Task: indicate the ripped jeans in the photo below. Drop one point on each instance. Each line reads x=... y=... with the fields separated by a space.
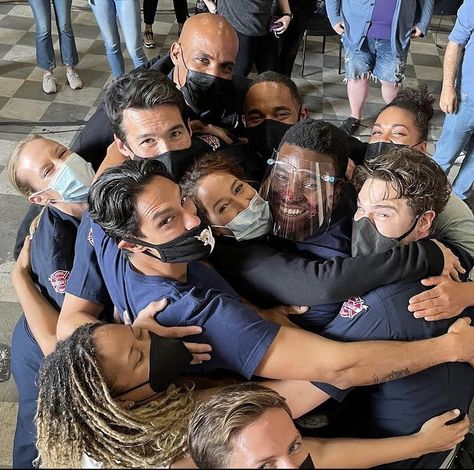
x=376 y=60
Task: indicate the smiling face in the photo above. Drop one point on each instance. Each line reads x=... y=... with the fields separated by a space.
x=223 y=196
x=397 y=125
x=38 y=164
x=300 y=190
x=124 y=354
x=272 y=441
x=152 y=132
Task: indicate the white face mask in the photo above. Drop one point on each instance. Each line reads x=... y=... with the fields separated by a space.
x=72 y=181
x=253 y=222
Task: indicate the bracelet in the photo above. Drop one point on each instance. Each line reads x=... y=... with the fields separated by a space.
x=288 y=14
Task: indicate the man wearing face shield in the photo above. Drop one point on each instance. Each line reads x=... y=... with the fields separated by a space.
x=401 y=193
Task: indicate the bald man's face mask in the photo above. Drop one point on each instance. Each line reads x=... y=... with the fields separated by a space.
x=213 y=99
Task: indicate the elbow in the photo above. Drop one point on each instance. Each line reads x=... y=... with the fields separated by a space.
x=340 y=375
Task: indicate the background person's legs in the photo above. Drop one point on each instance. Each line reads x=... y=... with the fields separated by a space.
x=389 y=91
x=106 y=17
x=246 y=55
x=128 y=12
x=266 y=56
x=181 y=12
x=149 y=12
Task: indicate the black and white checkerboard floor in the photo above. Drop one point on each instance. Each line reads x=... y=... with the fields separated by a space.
x=22 y=99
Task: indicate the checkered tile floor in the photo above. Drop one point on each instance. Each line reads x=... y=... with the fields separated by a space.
x=22 y=99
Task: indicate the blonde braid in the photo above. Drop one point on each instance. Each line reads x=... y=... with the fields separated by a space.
x=76 y=414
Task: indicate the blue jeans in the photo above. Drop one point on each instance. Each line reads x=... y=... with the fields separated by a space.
x=458 y=135
x=106 y=13
x=44 y=43
x=375 y=59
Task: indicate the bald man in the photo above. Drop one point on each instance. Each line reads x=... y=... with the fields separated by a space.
x=201 y=65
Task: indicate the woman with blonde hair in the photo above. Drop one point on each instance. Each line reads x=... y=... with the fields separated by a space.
x=50 y=175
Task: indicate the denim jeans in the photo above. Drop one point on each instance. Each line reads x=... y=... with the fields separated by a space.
x=458 y=135
x=44 y=43
x=106 y=13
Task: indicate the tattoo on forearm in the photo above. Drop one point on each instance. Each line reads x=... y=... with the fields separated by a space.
x=396 y=374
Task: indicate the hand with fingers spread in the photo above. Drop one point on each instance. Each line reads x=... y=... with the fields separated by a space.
x=199 y=127
x=146 y=319
x=437 y=436
x=452 y=265
x=447 y=299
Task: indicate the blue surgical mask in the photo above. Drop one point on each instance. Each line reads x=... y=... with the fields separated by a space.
x=253 y=222
x=72 y=181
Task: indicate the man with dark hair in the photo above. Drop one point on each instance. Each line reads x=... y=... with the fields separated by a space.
x=160 y=241
x=401 y=194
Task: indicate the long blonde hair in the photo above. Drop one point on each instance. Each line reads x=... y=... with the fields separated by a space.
x=77 y=415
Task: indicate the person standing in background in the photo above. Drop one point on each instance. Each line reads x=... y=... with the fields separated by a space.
x=376 y=37
x=257 y=31
x=106 y=13
x=457 y=101
x=44 y=42
x=149 y=12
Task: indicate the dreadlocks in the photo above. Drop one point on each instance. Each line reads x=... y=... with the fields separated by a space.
x=76 y=414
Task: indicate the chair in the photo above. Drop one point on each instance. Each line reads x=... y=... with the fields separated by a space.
x=444 y=8
x=319 y=25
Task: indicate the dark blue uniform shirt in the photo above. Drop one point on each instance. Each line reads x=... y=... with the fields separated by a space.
x=402 y=406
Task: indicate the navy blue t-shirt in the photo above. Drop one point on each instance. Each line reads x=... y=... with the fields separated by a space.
x=238 y=336
x=52 y=253
x=400 y=407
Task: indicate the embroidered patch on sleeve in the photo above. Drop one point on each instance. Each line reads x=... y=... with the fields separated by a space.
x=59 y=280
x=352 y=307
x=90 y=237
x=210 y=140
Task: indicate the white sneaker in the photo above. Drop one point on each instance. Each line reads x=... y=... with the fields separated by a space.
x=49 y=83
x=74 y=80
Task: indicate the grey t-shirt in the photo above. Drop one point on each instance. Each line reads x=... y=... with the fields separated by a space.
x=249 y=17
x=456 y=223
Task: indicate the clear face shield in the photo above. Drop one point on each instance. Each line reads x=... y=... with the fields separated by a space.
x=300 y=194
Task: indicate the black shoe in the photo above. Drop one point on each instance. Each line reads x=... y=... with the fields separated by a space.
x=350 y=125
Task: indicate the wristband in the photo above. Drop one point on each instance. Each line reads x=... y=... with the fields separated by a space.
x=288 y=14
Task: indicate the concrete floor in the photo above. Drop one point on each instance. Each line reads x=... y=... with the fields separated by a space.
x=21 y=98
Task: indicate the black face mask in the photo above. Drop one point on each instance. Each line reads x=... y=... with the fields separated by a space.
x=175 y=161
x=307 y=463
x=366 y=239
x=168 y=358
x=378 y=148
x=266 y=137
x=193 y=245
x=213 y=99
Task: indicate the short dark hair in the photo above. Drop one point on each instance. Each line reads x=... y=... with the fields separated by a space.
x=419 y=103
x=321 y=137
x=113 y=196
x=217 y=422
x=276 y=77
x=415 y=176
x=140 y=89
x=206 y=165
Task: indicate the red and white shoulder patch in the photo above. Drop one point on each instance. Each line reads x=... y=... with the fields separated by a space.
x=352 y=307
x=90 y=237
x=59 y=280
x=211 y=140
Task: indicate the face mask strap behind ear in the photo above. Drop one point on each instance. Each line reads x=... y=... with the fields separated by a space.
x=415 y=222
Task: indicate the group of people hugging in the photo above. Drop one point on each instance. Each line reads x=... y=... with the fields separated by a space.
x=211 y=278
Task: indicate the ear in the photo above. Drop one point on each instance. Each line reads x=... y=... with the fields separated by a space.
x=131 y=247
x=425 y=223
x=190 y=129
x=421 y=147
x=304 y=113
x=39 y=199
x=175 y=52
x=125 y=404
x=244 y=120
x=123 y=149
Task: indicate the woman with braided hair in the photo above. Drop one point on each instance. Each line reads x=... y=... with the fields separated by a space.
x=80 y=413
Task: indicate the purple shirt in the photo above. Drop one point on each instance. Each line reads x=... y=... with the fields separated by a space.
x=382 y=18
